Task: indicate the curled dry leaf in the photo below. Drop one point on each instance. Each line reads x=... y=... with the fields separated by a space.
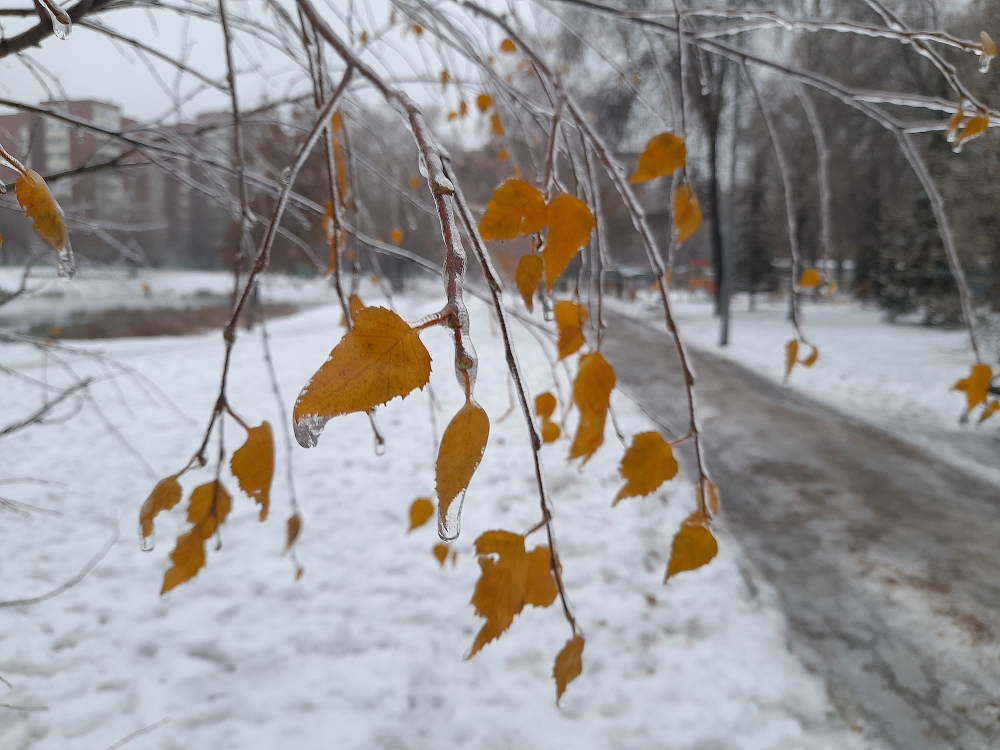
x=648 y=463
x=484 y=102
x=508 y=46
x=420 y=513
x=41 y=207
x=380 y=358
x=569 y=318
x=253 y=466
x=516 y=208
x=510 y=579
x=791 y=353
x=664 y=154
x=687 y=213
x=462 y=448
x=976 y=386
x=396 y=236
x=694 y=546
x=811 y=359
x=441 y=553
x=569 y=665
x=570 y=224
x=292 y=531
x=528 y=276
x=545 y=405
x=595 y=379
x=165 y=495
x=809 y=278
x=207 y=509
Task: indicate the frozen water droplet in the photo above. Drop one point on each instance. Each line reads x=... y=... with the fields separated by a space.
x=984 y=63
x=3 y=188
x=450 y=524
x=379 y=445
x=957 y=147
x=146 y=544
x=307 y=429
x=67 y=265
x=62 y=26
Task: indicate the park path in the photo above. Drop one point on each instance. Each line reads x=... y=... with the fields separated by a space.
x=886 y=557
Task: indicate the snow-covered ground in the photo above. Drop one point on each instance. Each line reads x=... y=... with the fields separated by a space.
x=366 y=650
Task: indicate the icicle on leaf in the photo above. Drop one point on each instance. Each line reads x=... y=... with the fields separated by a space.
x=516 y=208
x=569 y=665
x=207 y=509
x=441 y=553
x=687 y=214
x=976 y=386
x=165 y=495
x=809 y=278
x=570 y=224
x=510 y=579
x=595 y=379
x=811 y=359
x=292 y=530
x=41 y=207
x=664 y=154
x=988 y=53
x=528 y=276
x=462 y=448
x=496 y=125
x=508 y=46
x=569 y=317
x=693 y=547
x=648 y=463
x=484 y=102
x=62 y=24
x=380 y=358
x=396 y=236
x=253 y=466
x=791 y=353
x=420 y=513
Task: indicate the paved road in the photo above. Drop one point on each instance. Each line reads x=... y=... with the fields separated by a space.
x=887 y=559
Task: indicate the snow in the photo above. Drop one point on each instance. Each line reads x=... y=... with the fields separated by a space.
x=366 y=651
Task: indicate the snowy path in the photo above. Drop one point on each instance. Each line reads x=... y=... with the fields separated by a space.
x=366 y=651
x=886 y=557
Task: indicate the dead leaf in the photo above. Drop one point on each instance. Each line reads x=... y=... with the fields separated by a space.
x=569 y=317
x=528 y=276
x=508 y=46
x=41 y=207
x=811 y=359
x=341 y=171
x=516 y=208
x=694 y=546
x=954 y=124
x=484 y=101
x=380 y=358
x=991 y=408
x=510 y=579
x=188 y=558
x=550 y=432
x=687 y=214
x=207 y=509
x=570 y=224
x=444 y=78
x=462 y=448
x=420 y=513
x=413 y=183
x=989 y=46
x=165 y=495
x=336 y=122
x=496 y=126
x=502 y=155
x=595 y=379
x=648 y=463
x=545 y=405
x=809 y=278
x=396 y=236
x=253 y=466
x=441 y=553
x=974 y=128
x=664 y=154
x=292 y=531
x=791 y=352
x=976 y=386
x=569 y=665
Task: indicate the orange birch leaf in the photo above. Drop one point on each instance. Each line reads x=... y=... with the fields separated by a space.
x=809 y=278
x=570 y=224
x=694 y=546
x=989 y=46
x=484 y=102
x=207 y=509
x=445 y=77
x=338 y=166
x=413 y=183
x=991 y=408
x=974 y=128
x=545 y=405
x=420 y=513
x=496 y=126
x=516 y=208
x=165 y=495
x=595 y=379
x=528 y=276
x=380 y=358
x=41 y=207
x=550 y=432
x=188 y=558
x=292 y=530
x=441 y=553
x=648 y=463
x=687 y=214
x=336 y=122
x=396 y=236
x=462 y=448
x=811 y=359
x=508 y=46
x=954 y=124
x=976 y=386
x=502 y=155
x=568 y=318
x=569 y=665
x=791 y=353
x=364 y=38
x=540 y=587
x=664 y=154
x=253 y=466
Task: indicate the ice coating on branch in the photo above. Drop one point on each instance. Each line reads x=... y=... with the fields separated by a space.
x=62 y=26
x=422 y=165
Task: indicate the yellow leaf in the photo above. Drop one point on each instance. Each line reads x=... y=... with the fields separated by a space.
x=452 y=116
x=510 y=579
x=338 y=166
x=336 y=122
x=41 y=207
x=413 y=183
x=292 y=531
x=664 y=154
x=954 y=124
x=648 y=463
x=694 y=546
x=989 y=411
x=418 y=30
x=974 y=128
x=791 y=352
x=165 y=495
x=810 y=277
x=508 y=46
x=545 y=405
x=253 y=466
x=496 y=126
x=516 y=208
x=207 y=509
x=484 y=101
x=811 y=359
x=444 y=78
x=528 y=276
x=570 y=224
x=989 y=47
x=462 y=448
x=380 y=358
x=396 y=236
x=976 y=386
x=441 y=553
x=595 y=379
x=687 y=214
x=188 y=558
x=420 y=512
x=550 y=432
x=569 y=318
x=502 y=155
x=569 y=665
